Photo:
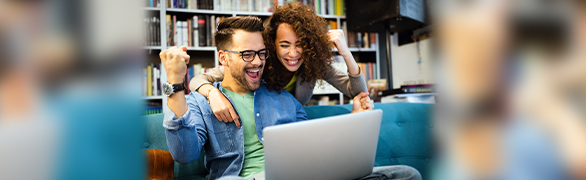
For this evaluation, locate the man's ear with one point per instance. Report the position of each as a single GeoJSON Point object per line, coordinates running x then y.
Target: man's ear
{"type": "Point", "coordinates": [222, 58]}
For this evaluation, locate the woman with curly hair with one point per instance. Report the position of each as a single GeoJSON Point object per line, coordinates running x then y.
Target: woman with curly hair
{"type": "Point", "coordinates": [300, 53]}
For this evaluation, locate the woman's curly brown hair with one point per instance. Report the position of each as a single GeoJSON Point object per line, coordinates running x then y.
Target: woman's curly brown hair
{"type": "Point", "coordinates": [312, 33]}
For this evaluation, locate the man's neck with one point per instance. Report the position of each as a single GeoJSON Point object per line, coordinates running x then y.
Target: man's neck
{"type": "Point", "coordinates": [231, 84]}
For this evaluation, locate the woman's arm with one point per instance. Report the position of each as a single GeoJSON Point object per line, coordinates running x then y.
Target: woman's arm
{"type": "Point", "coordinates": [214, 75]}
{"type": "Point", "coordinates": [348, 84]}
{"type": "Point", "coordinates": [220, 105]}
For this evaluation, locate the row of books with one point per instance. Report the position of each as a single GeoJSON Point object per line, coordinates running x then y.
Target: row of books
{"type": "Point", "coordinates": [193, 32]}
{"type": "Point", "coordinates": [361, 40]}
{"type": "Point", "coordinates": [245, 5]}
{"type": "Point", "coordinates": [152, 3]}
{"type": "Point", "coordinates": [191, 4]}
{"type": "Point", "coordinates": [152, 25]}
{"type": "Point", "coordinates": [369, 70]}
{"type": "Point", "coordinates": [195, 70]}
{"type": "Point", "coordinates": [153, 110]}
{"type": "Point", "coordinates": [322, 7]}
{"type": "Point", "coordinates": [198, 32]}
{"type": "Point", "coordinates": [152, 80]}
{"type": "Point", "coordinates": [224, 5]}
{"type": "Point", "coordinates": [327, 7]}
{"type": "Point", "coordinates": [355, 39]}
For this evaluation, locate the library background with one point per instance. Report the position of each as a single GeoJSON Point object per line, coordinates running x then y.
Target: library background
{"type": "Point", "coordinates": [192, 23]}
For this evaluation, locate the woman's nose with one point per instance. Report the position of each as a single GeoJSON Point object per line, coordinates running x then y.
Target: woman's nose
{"type": "Point", "coordinates": [293, 52]}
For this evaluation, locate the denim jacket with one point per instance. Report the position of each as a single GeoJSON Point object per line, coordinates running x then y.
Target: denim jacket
{"type": "Point", "coordinates": [224, 142]}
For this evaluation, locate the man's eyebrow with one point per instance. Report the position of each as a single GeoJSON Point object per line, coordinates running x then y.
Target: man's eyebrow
{"type": "Point", "coordinates": [285, 42]}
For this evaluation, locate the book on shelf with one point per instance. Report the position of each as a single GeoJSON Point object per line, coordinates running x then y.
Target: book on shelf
{"type": "Point", "coordinates": [184, 33]}
{"type": "Point", "coordinates": [152, 3]}
{"type": "Point", "coordinates": [175, 36]}
{"type": "Point", "coordinates": [152, 31]}
{"type": "Point", "coordinates": [149, 81]}
{"type": "Point", "coordinates": [195, 35]}
{"type": "Point", "coordinates": [372, 37]}
{"type": "Point", "coordinates": [201, 24]}
{"type": "Point", "coordinates": [317, 6]}
{"type": "Point", "coordinates": [170, 29]}
{"type": "Point", "coordinates": [208, 30]}
{"type": "Point", "coordinates": [152, 80]}
{"type": "Point", "coordinates": [330, 5]}
{"type": "Point", "coordinates": [332, 24]}
{"type": "Point", "coordinates": [365, 40]}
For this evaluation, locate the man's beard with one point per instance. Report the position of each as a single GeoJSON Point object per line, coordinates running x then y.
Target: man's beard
{"type": "Point", "coordinates": [239, 76]}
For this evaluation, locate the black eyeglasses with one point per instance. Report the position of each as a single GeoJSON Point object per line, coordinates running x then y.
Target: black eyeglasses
{"type": "Point", "coordinates": [248, 55]}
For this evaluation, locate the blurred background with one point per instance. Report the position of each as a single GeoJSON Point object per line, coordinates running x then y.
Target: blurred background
{"type": "Point", "coordinates": [68, 102]}
{"type": "Point", "coordinates": [507, 77]}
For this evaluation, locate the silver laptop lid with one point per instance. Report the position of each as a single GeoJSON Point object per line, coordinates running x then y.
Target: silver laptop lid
{"type": "Point", "coordinates": [336, 147]}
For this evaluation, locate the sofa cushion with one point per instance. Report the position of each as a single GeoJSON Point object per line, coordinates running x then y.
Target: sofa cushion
{"type": "Point", "coordinates": [405, 134]}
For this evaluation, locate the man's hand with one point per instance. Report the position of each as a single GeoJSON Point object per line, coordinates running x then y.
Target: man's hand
{"type": "Point", "coordinates": [175, 61]}
{"type": "Point", "coordinates": [222, 107]}
{"type": "Point", "coordinates": [336, 37]}
{"type": "Point", "coordinates": [362, 103]}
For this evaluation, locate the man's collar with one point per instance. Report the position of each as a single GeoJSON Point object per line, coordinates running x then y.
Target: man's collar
{"type": "Point", "coordinates": [219, 85]}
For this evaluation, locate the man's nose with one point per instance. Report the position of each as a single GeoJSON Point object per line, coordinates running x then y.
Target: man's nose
{"type": "Point", "coordinates": [256, 61]}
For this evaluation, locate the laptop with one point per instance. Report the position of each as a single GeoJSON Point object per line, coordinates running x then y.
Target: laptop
{"type": "Point", "coordinates": [336, 147]}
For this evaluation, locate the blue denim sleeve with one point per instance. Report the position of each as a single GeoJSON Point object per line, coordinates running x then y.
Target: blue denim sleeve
{"type": "Point", "coordinates": [186, 135]}
{"type": "Point", "coordinates": [301, 115]}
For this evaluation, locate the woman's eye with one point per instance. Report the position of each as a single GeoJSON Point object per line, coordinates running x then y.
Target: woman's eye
{"type": "Point", "coordinates": [284, 46]}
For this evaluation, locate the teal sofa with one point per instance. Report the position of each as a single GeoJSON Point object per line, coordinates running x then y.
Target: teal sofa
{"type": "Point", "coordinates": [405, 137]}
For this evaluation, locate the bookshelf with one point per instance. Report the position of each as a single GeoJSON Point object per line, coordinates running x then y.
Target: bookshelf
{"type": "Point", "coordinates": [207, 55]}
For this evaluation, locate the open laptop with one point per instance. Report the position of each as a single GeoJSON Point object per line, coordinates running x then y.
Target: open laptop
{"type": "Point", "coordinates": [336, 147]}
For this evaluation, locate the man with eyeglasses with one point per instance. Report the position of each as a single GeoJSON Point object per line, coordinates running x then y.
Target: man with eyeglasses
{"type": "Point", "coordinates": [230, 149]}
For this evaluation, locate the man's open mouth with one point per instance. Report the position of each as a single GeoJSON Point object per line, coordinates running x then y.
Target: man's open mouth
{"type": "Point", "coordinates": [253, 73]}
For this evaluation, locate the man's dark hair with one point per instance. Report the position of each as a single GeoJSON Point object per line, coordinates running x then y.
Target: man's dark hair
{"type": "Point", "coordinates": [227, 27]}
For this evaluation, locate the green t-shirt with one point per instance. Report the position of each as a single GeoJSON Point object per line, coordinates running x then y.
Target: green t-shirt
{"type": "Point", "coordinates": [254, 160]}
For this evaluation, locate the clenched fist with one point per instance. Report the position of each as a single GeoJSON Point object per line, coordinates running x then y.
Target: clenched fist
{"type": "Point", "coordinates": [336, 37]}
{"type": "Point", "coordinates": [362, 102]}
{"type": "Point", "coordinates": [175, 61]}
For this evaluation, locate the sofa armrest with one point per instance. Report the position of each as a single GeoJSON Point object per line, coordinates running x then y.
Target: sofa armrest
{"type": "Point", "coordinates": [160, 164]}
